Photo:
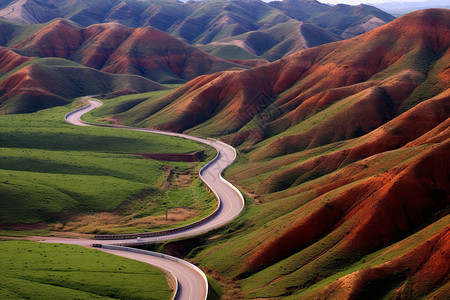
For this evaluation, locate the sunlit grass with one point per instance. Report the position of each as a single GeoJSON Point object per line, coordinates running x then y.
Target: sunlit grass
{"type": "Point", "coordinates": [53, 271]}
{"type": "Point", "coordinates": [50, 169]}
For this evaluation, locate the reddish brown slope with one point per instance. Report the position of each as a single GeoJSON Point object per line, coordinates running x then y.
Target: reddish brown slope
{"type": "Point", "coordinates": [100, 42]}
{"type": "Point", "coordinates": [60, 38]}
{"type": "Point", "coordinates": [34, 84]}
{"type": "Point", "coordinates": [27, 91]}
{"type": "Point", "coordinates": [121, 50]}
{"type": "Point", "coordinates": [152, 53]}
{"type": "Point", "coordinates": [332, 208]}
{"type": "Point", "coordinates": [425, 267]}
{"type": "Point", "coordinates": [407, 127]}
{"type": "Point", "coordinates": [384, 68]}
{"type": "Point", "coordinates": [10, 60]}
{"type": "Point", "coordinates": [376, 196]}
{"type": "Point", "coordinates": [351, 169]}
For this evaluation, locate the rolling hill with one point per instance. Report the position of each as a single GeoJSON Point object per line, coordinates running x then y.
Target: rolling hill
{"type": "Point", "coordinates": [205, 22]}
{"type": "Point", "coordinates": [389, 66]}
{"type": "Point", "coordinates": [118, 49]}
{"type": "Point", "coordinates": [344, 157]}
{"type": "Point", "coordinates": [29, 84]}
{"type": "Point", "coordinates": [276, 42]}
{"type": "Point", "coordinates": [345, 20]}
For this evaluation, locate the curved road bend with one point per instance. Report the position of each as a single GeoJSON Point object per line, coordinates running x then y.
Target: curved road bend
{"type": "Point", "coordinates": [230, 199]}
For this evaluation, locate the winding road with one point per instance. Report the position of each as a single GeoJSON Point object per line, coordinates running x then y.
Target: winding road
{"type": "Point", "coordinates": [191, 281]}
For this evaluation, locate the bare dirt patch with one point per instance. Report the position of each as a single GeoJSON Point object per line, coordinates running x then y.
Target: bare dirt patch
{"type": "Point", "coordinates": [182, 180]}
{"type": "Point", "coordinates": [110, 221]}
{"type": "Point", "coordinates": [23, 226]}
{"type": "Point", "coordinates": [89, 223]}
{"type": "Point", "coordinates": [232, 287]}
{"type": "Point", "coordinates": [174, 215]}
{"type": "Point", "coordinates": [179, 157]}
{"type": "Point", "coordinates": [112, 120]}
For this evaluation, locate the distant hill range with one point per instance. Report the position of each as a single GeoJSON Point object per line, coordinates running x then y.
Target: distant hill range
{"type": "Point", "coordinates": [115, 48]}
{"type": "Point", "coordinates": [88, 58]}
{"type": "Point", "coordinates": [163, 41]}
{"type": "Point", "coordinates": [399, 8]}
{"type": "Point", "coordinates": [236, 29]}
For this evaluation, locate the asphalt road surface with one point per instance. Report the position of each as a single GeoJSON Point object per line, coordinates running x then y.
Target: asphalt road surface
{"type": "Point", "coordinates": [191, 282]}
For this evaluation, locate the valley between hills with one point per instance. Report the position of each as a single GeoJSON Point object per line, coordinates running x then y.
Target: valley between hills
{"type": "Point", "coordinates": [340, 116]}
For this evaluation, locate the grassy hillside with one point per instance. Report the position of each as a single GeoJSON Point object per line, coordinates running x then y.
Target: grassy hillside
{"type": "Point", "coordinates": [52, 171]}
{"type": "Point", "coordinates": [12, 32]}
{"type": "Point", "coordinates": [369, 214]}
{"type": "Point", "coordinates": [38, 271]}
{"type": "Point", "coordinates": [228, 51]}
{"type": "Point", "coordinates": [120, 104]}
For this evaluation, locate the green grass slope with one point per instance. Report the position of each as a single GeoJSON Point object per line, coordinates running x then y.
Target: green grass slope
{"type": "Point", "coordinates": [40, 271]}
{"type": "Point", "coordinates": [228, 51]}
{"type": "Point", "coordinates": [343, 17]}
{"type": "Point", "coordinates": [51, 169]}
{"type": "Point", "coordinates": [13, 32]}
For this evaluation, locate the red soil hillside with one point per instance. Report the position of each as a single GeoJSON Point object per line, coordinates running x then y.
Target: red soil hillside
{"type": "Point", "coordinates": [425, 265]}
{"type": "Point", "coordinates": [118, 49]}
{"type": "Point", "coordinates": [154, 54]}
{"type": "Point", "coordinates": [364, 205]}
{"type": "Point", "coordinates": [10, 60]}
{"type": "Point", "coordinates": [60, 38]}
{"type": "Point", "coordinates": [421, 122]}
{"type": "Point", "coordinates": [25, 91]}
{"type": "Point", "coordinates": [369, 216]}
{"type": "Point", "coordinates": [345, 149]}
{"type": "Point", "coordinates": [100, 41]}
{"type": "Point", "coordinates": [349, 88]}
{"type": "Point", "coordinates": [34, 84]}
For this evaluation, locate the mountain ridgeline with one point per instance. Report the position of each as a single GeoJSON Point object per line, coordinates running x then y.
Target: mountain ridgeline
{"type": "Point", "coordinates": [49, 64]}
{"type": "Point", "coordinates": [344, 148]}
{"type": "Point", "coordinates": [233, 23]}
{"type": "Point", "coordinates": [164, 41]}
